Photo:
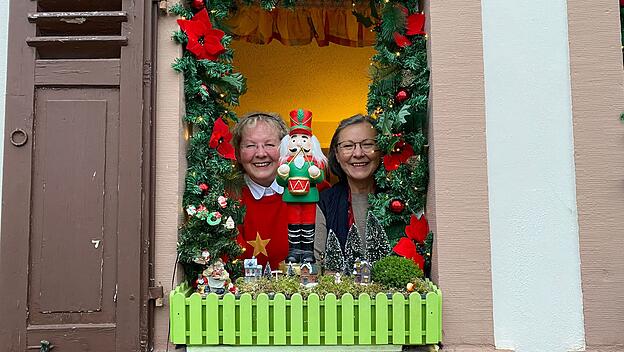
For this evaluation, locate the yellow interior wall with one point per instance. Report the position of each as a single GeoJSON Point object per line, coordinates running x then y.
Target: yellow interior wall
{"type": "Point", "coordinates": [330, 81]}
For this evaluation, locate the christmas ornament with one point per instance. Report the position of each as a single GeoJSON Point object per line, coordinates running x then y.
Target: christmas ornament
{"type": "Point", "coordinates": [259, 245]}
{"type": "Point", "coordinates": [401, 96]}
{"type": "Point", "coordinates": [203, 187]}
{"type": "Point", "coordinates": [220, 140]}
{"type": "Point", "coordinates": [232, 288]}
{"type": "Point", "coordinates": [203, 41]}
{"type": "Point", "coordinates": [190, 210]}
{"type": "Point", "coordinates": [222, 201]}
{"type": "Point", "coordinates": [203, 258]}
{"type": "Point", "coordinates": [229, 223]}
{"type": "Point", "coordinates": [202, 208]}
{"type": "Point", "coordinates": [399, 154]}
{"type": "Point", "coordinates": [198, 4]}
{"type": "Point", "coordinates": [214, 218]}
{"type": "Point", "coordinates": [410, 287]}
{"type": "Point", "coordinates": [397, 206]}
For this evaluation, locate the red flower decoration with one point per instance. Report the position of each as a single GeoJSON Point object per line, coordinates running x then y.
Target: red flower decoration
{"type": "Point", "coordinates": [401, 40]}
{"type": "Point", "coordinates": [407, 249]}
{"type": "Point", "coordinates": [416, 24]}
{"type": "Point", "coordinates": [220, 140]}
{"type": "Point", "coordinates": [418, 229]}
{"type": "Point", "coordinates": [203, 41]}
{"type": "Point", "coordinates": [401, 152]}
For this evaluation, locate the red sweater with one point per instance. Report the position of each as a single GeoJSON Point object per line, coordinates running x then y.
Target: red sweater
{"type": "Point", "coordinates": [266, 217]}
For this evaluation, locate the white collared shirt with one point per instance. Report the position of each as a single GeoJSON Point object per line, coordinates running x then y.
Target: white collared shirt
{"type": "Point", "coordinates": [259, 191]}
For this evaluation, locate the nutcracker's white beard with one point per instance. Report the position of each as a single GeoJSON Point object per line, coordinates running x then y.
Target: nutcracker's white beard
{"type": "Point", "coordinates": [299, 160]}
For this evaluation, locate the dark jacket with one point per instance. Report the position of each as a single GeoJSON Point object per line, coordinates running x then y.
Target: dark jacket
{"type": "Point", "coordinates": [334, 203]}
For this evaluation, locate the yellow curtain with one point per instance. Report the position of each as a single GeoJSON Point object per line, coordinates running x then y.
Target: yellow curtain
{"type": "Point", "coordinates": [325, 23]}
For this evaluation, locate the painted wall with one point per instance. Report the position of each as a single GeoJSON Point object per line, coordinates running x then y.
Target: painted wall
{"type": "Point", "coordinates": [4, 34]}
{"type": "Point", "coordinates": [330, 81]}
{"type": "Point", "coordinates": [536, 279]}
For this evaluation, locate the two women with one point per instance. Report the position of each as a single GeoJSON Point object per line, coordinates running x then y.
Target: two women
{"type": "Point", "coordinates": [353, 157]}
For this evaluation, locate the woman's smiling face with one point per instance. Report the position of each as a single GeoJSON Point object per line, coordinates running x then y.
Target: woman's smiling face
{"type": "Point", "coordinates": [357, 164]}
{"type": "Point", "coordinates": [259, 152]}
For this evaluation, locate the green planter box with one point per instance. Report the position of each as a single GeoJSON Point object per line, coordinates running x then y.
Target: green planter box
{"type": "Point", "coordinates": [229, 320]}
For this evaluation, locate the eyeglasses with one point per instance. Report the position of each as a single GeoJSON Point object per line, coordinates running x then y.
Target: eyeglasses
{"type": "Point", "coordinates": [269, 147]}
{"type": "Point", "coordinates": [348, 147]}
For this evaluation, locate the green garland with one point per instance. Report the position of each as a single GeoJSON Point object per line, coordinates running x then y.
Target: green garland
{"type": "Point", "coordinates": [211, 88]}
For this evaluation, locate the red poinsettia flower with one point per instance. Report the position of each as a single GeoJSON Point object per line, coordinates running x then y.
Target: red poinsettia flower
{"type": "Point", "coordinates": [401, 40]}
{"type": "Point", "coordinates": [418, 229]}
{"type": "Point", "coordinates": [416, 24]}
{"type": "Point", "coordinates": [203, 40]}
{"type": "Point", "coordinates": [407, 249]}
{"type": "Point", "coordinates": [401, 152]}
{"type": "Point", "coordinates": [220, 140]}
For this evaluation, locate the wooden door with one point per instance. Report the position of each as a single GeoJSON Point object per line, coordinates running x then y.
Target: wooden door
{"type": "Point", "coordinates": [73, 250]}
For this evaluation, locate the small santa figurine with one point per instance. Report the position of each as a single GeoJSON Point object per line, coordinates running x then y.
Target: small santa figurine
{"type": "Point", "coordinates": [301, 169]}
{"type": "Point", "coordinates": [217, 276]}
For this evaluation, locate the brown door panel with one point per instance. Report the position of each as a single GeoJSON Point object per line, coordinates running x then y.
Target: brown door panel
{"type": "Point", "coordinates": [74, 249]}
{"type": "Point", "coordinates": [74, 206]}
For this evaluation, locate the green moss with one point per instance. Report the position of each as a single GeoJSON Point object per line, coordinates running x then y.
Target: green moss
{"type": "Point", "coordinates": [395, 272]}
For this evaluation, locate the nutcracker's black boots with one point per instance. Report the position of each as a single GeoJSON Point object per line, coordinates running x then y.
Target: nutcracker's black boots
{"type": "Point", "coordinates": [301, 243]}
{"type": "Point", "coordinates": [294, 244]}
{"type": "Point", "coordinates": [307, 243]}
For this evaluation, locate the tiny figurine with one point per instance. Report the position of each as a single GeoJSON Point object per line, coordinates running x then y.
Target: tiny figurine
{"type": "Point", "coordinates": [200, 284]}
{"type": "Point", "coordinates": [253, 270]}
{"type": "Point", "coordinates": [302, 163]}
{"type": "Point", "coordinates": [232, 288]}
{"type": "Point", "coordinates": [337, 278]}
{"type": "Point", "coordinates": [203, 258]}
{"type": "Point", "coordinates": [217, 276]}
{"type": "Point", "coordinates": [410, 287]}
{"type": "Point", "coordinates": [291, 270]}
{"type": "Point", "coordinates": [308, 274]}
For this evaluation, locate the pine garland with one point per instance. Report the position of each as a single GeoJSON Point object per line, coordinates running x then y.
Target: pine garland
{"type": "Point", "coordinates": [211, 88]}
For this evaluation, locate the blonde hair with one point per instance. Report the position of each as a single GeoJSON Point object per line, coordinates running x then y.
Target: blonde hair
{"type": "Point", "coordinates": [251, 119]}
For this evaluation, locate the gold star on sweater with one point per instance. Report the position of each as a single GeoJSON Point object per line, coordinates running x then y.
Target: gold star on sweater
{"type": "Point", "coordinates": [259, 245]}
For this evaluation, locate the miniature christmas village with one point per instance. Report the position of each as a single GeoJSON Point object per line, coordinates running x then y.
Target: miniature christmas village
{"type": "Point", "coordinates": [354, 268]}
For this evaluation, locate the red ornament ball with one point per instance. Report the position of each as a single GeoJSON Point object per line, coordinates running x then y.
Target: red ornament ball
{"type": "Point", "coordinates": [203, 187]}
{"type": "Point", "coordinates": [401, 96]}
{"type": "Point", "coordinates": [397, 206]}
{"type": "Point", "coordinates": [198, 4]}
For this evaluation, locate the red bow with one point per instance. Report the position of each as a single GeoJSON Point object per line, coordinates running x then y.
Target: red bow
{"type": "Point", "coordinates": [400, 153]}
{"type": "Point", "coordinates": [415, 24]}
{"type": "Point", "coordinates": [203, 41]}
{"type": "Point", "coordinates": [417, 230]}
{"type": "Point", "coordinates": [220, 140]}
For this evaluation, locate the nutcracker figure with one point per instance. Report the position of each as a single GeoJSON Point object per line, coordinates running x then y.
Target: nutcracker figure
{"type": "Point", "coordinates": [301, 169]}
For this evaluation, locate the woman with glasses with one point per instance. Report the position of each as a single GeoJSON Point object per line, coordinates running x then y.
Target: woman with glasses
{"type": "Point", "coordinates": [354, 158]}
{"type": "Point", "coordinates": [264, 232]}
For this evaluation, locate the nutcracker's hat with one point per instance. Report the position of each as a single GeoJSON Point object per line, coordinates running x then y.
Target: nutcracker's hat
{"type": "Point", "coordinates": [301, 122]}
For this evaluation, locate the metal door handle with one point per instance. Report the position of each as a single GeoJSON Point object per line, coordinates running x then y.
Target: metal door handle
{"type": "Point", "coordinates": [19, 137]}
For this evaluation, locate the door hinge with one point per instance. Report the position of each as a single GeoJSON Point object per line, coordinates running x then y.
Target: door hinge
{"type": "Point", "coordinates": [155, 293]}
